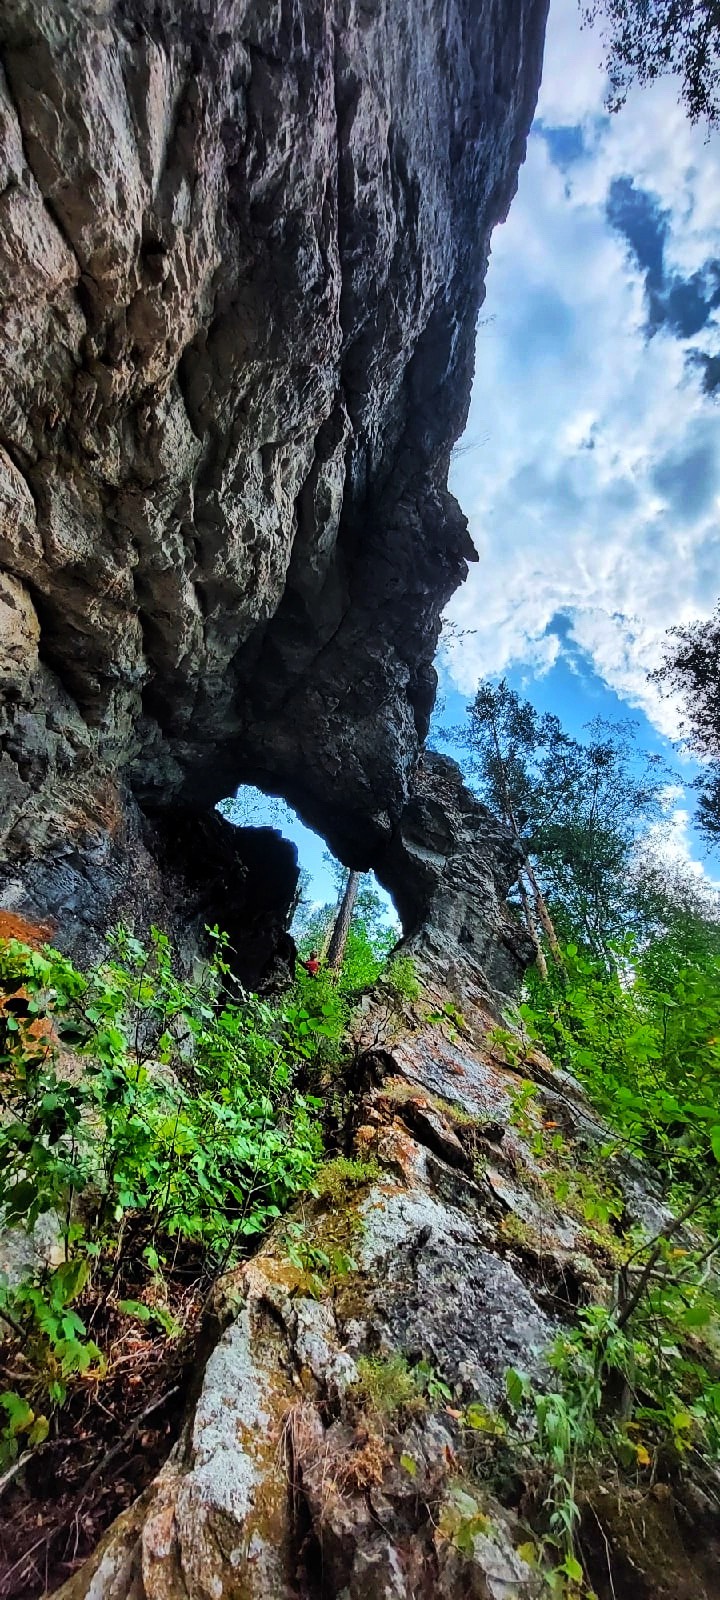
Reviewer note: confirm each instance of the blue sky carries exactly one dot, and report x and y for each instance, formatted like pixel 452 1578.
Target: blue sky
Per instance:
pixel 590 467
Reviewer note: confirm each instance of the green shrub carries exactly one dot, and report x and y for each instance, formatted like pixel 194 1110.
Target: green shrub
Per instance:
pixel 177 1120
pixel 644 1037
pixel 401 977
pixel 388 1384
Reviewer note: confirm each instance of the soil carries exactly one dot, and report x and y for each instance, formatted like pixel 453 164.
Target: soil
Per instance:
pixel 105 1445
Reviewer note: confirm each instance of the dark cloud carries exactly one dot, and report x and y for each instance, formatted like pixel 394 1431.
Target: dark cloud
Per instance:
pixel 684 305
pixel 710 368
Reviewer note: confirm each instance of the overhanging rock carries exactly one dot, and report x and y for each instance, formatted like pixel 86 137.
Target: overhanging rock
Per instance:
pixel 243 251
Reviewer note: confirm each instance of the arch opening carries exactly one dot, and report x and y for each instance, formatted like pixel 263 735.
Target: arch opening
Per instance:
pixel 294 905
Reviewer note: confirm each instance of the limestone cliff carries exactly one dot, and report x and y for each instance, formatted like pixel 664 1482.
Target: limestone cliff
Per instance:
pixel 242 252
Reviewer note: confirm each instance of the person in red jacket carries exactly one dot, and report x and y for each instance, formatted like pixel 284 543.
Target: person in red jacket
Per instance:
pixel 312 965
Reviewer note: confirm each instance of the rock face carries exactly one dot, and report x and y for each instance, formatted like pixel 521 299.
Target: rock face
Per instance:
pixel 314 1465
pixel 449 867
pixel 241 257
pixel 286 1482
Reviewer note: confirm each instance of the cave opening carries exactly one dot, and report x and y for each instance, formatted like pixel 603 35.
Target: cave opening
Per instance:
pixel 294 882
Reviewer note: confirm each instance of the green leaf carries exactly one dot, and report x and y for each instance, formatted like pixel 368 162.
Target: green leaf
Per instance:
pixel 20 1415
pixel 39 1431
pixel 572 1569
pixel 135 1308
pixel 516 1388
pixel 70 1279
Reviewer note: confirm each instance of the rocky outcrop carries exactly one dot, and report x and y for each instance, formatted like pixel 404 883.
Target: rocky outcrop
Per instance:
pixel 449 867
pixel 183 871
pixel 242 253
pixel 350 1437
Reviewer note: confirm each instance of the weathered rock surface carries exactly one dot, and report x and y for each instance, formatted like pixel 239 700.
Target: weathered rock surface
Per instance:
pixel 182 870
pixel 454 1249
pixel 281 1484
pixel 242 251
pixel 449 867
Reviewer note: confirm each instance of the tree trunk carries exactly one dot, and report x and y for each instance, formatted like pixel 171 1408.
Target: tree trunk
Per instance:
pixel 531 928
pixel 544 914
pixel 539 897
pixel 338 937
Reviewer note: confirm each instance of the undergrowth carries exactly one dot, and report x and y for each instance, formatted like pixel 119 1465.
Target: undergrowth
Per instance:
pixel 152 1127
pixel 634 1384
pixel 150 1119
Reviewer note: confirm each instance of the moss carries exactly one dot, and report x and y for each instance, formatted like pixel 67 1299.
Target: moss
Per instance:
pixel 604 1243
pixel 479 1168
pixel 388 1385
pixel 594 1205
pixel 514 1230
pixel 342 1173
pixel 462 1518
pixel 402 979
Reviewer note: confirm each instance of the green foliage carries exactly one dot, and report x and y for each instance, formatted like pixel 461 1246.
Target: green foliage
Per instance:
pixel 317 1013
pixel 388 1384
pixel 636 1393
pixel 366 954
pixel 637 1380
pixel 431 1384
pixel 183 1124
pixel 192 1091
pixel 645 1039
pixel 401 978
pixel 391 1384
pixel 319 1267
pixel 579 808
pixel 370 937
pixel 521 1100
pixel 342 1173
pixel 462 1519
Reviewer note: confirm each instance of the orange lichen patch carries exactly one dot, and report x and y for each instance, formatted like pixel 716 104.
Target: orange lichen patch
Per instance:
pixel 276 1271
pixel 38 1033
pixel 366 1140
pixel 395 1148
pixel 13 926
pixel 32 1031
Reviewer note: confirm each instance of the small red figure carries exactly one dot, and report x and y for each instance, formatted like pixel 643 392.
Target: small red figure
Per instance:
pixel 312 965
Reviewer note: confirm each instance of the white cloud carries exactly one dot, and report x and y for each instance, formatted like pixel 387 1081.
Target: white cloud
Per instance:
pixel 573 83
pixel 594 488
pixel 671 842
